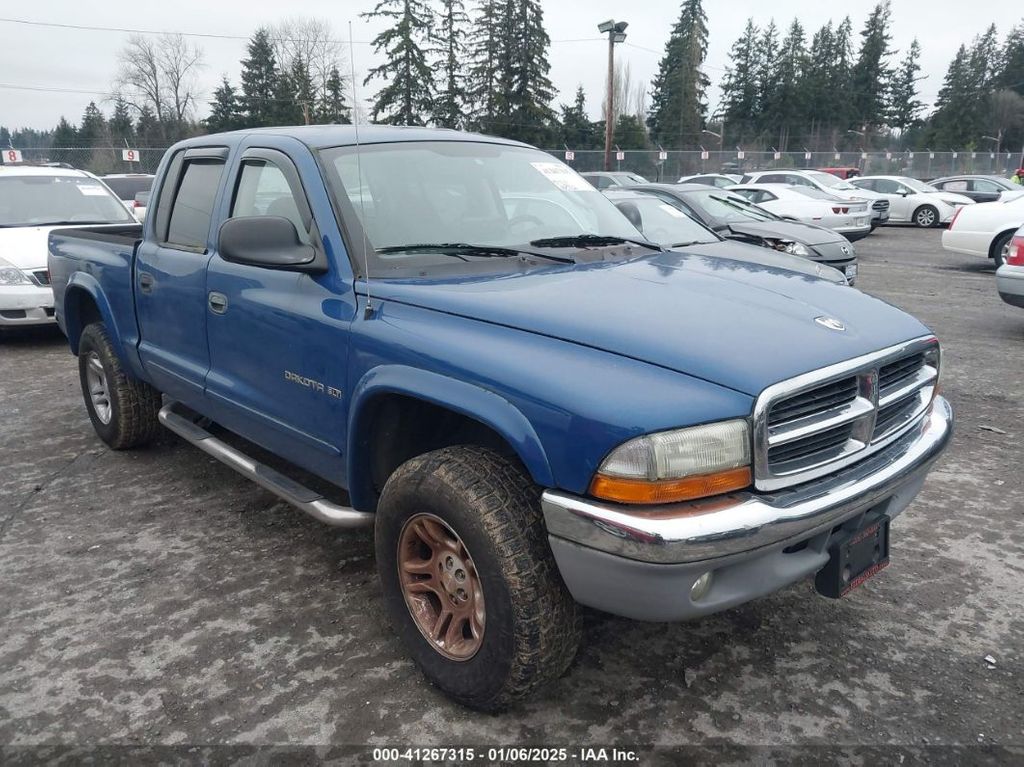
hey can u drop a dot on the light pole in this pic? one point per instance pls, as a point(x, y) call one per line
point(616, 32)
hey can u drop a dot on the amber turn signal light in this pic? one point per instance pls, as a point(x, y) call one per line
point(639, 491)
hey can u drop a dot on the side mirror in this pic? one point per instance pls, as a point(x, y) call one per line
point(268, 241)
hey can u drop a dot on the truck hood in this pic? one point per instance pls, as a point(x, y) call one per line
point(808, 234)
point(740, 325)
point(26, 246)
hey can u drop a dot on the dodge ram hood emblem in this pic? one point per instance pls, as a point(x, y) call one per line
point(845, 250)
point(831, 323)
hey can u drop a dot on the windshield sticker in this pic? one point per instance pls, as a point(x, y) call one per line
point(564, 177)
point(672, 211)
point(92, 190)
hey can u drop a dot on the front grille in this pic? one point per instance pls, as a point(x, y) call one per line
point(880, 205)
point(820, 422)
point(42, 276)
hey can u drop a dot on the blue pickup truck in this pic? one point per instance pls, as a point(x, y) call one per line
point(533, 406)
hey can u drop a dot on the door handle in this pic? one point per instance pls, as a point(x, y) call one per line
point(218, 302)
point(146, 282)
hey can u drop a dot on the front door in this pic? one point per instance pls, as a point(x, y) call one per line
point(170, 274)
point(900, 205)
point(279, 339)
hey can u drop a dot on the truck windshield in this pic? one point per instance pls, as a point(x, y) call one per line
point(41, 200)
point(472, 193)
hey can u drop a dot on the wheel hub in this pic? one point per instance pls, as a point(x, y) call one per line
point(441, 586)
point(99, 392)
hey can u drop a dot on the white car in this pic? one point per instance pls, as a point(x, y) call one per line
point(721, 180)
point(826, 182)
point(1010, 276)
point(985, 229)
point(33, 202)
point(812, 206)
point(912, 201)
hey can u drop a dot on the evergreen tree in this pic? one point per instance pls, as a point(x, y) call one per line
point(904, 106)
point(65, 135)
point(956, 104)
point(1011, 74)
point(629, 133)
point(817, 87)
point(259, 81)
point(871, 73)
point(287, 108)
point(525, 90)
point(303, 91)
point(148, 128)
point(767, 74)
point(450, 101)
point(986, 59)
point(785, 108)
point(121, 127)
point(5, 136)
point(225, 114)
point(406, 99)
point(677, 103)
point(485, 55)
point(578, 132)
point(93, 128)
point(739, 86)
point(331, 107)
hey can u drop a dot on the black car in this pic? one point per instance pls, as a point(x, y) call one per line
point(736, 218)
point(978, 188)
point(669, 226)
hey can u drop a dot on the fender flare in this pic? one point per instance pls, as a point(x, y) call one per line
point(470, 400)
point(82, 284)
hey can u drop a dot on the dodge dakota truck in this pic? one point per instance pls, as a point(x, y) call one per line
point(534, 407)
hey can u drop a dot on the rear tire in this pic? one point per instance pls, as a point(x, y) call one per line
point(926, 217)
point(1000, 248)
point(123, 410)
point(522, 628)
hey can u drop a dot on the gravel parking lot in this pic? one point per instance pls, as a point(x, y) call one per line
point(155, 597)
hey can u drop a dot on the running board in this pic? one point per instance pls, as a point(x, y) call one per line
point(303, 498)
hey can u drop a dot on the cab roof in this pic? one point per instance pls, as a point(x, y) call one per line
point(40, 170)
point(325, 136)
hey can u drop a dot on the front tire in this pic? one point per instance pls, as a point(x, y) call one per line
point(123, 410)
point(1001, 248)
point(468, 577)
point(926, 217)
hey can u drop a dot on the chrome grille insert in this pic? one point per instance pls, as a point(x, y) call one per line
point(819, 422)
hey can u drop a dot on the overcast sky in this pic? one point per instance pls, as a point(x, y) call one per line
point(84, 60)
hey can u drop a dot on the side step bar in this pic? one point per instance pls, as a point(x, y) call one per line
point(303, 498)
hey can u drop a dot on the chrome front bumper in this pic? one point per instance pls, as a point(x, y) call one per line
point(745, 522)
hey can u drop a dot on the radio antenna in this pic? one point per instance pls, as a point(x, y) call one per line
point(361, 188)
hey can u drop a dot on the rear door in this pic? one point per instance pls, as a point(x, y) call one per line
point(170, 274)
point(900, 205)
point(279, 339)
point(983, 190)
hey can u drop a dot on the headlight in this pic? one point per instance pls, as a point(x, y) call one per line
point(677, 465)
point(797, 249)
point(11, 275)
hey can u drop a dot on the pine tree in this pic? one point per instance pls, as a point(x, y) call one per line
point(986, 59)
point(485, 55)
point(148, 128)
point(5, 136)
point(121, 127)
point(224, 109)
point(956, 103)
point(65, 134)
point(629, 133)
point(817, 90)
point(407, 97)
point(767, 75)
point(331, 107)
point(287, 109)
point(871, 74)
point(259, 81)
point(303, 90)
point(904, 106)
point(739, 86)
point(578, 132)
point(677, 103)
point(785, 109)
point(93, 128)
point(525, 90)
point(450, 101)
point(1011, 75)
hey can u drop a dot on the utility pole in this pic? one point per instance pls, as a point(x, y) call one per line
point(616, 32)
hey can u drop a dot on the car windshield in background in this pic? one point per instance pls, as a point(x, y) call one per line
point(727, 208)
point(127, 187)
point(663, 223)
point(471, 193)
point(827, 179)
point(814, 192)
point(917, 186)
point(44, 200)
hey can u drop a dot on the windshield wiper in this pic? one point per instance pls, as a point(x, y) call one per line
point(691, 242)
point(467, 249)
point(589, 240)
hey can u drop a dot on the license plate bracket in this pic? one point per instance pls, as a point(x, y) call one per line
point(854, 556)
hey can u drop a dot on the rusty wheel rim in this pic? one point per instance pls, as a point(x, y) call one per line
point(441, 586)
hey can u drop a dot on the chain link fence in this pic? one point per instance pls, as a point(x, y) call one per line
point(670, 166)
point(653, 165)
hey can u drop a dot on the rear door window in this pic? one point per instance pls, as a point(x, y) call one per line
point(192, 210)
